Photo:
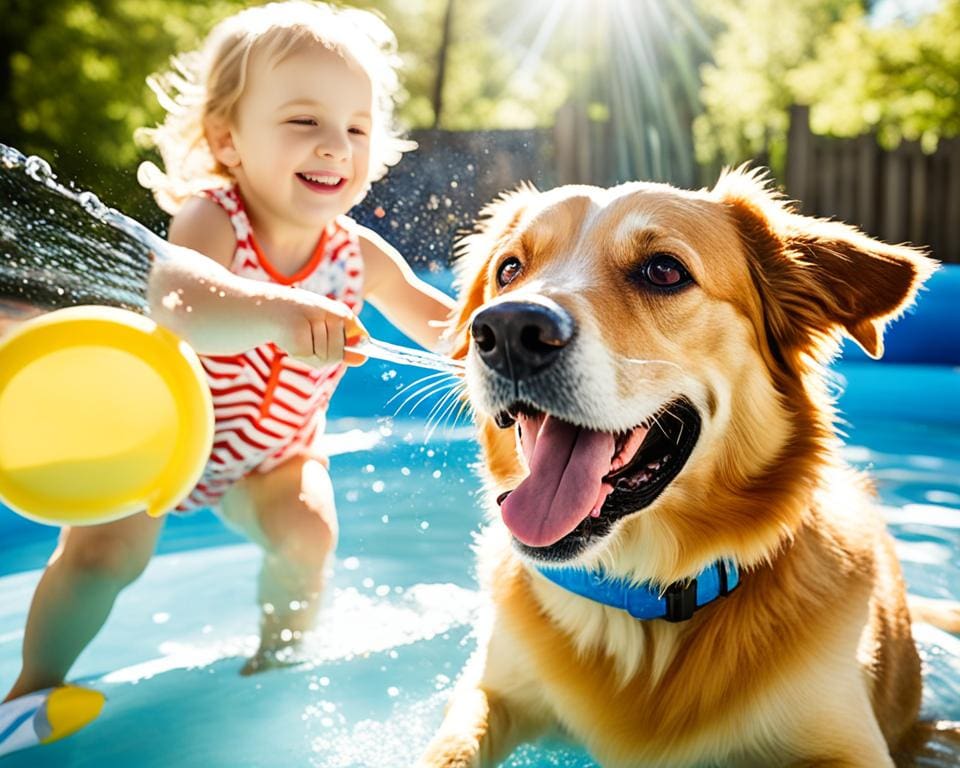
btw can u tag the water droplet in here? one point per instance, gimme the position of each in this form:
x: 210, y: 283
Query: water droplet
x: 38, y: 169
x: 92, y: 205
x: 9, y: 157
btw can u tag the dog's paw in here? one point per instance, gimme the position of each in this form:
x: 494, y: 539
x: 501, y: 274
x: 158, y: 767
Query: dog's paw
x: 450, y: 752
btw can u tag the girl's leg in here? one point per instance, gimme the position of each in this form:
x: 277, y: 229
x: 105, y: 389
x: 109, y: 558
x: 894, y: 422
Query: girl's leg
x: 76, y: 592
x: 290, y: 512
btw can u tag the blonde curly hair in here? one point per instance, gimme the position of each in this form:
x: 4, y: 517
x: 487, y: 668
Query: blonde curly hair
x: 205, y: 85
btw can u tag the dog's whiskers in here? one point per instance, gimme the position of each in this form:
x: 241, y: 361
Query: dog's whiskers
x: 425, y: 394
x: 656, y: 421
x: 429, y: 389
x: 438, y: 410
x: 670, y: 413
x: 639, y: 361
x: 440, y: 414
x: 416, y: 382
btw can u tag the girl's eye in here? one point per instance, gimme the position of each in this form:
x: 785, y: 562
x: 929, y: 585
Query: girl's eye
x: 358, y: 131
x: 509, y: 270
x: 303, y: 121
x: 664, y: 271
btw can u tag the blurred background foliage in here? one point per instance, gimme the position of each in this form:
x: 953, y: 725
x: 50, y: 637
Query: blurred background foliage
x: 884, y: 67
x: 680, y: 87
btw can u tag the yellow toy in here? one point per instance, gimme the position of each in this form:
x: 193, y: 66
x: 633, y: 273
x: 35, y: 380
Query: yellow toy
x: 46, y: 716
x: 102, y: 414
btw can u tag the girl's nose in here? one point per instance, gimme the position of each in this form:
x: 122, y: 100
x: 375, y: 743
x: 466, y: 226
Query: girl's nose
x: 333, y: 145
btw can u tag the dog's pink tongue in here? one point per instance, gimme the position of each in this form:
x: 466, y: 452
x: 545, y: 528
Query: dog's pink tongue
x: 566, y: 472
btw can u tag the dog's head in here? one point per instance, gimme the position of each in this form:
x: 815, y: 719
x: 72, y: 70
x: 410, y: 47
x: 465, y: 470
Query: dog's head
x: 644, y: 363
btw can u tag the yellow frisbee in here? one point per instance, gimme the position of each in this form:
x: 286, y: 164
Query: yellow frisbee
x: 103, y: 413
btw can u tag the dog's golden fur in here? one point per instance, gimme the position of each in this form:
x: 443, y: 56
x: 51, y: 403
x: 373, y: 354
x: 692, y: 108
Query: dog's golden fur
x: 811, y: 661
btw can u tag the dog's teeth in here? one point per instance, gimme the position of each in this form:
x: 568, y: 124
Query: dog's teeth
x: 634, y: 482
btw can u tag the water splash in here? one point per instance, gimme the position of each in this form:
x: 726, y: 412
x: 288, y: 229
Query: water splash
x: 60, y: 248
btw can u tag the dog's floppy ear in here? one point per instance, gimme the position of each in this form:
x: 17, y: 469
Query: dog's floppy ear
x: 497, y: 222
x: 817, y: 277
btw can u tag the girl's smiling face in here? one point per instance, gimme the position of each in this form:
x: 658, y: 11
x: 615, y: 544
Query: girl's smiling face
x: 299, y: 143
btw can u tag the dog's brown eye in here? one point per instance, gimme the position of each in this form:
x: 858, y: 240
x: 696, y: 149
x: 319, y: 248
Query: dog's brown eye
x: 509, y: 271
x: 663, y: 271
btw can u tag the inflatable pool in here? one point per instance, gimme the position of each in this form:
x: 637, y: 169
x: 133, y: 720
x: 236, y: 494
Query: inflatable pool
x: 371, y: 684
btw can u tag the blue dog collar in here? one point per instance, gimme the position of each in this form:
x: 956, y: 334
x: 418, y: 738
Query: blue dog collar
x: 678, y: 602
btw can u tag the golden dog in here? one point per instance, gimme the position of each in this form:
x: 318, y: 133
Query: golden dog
x: 644, y: 364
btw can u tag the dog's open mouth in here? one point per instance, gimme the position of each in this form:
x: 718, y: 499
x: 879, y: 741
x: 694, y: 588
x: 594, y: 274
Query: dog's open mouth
x: 581, y: 481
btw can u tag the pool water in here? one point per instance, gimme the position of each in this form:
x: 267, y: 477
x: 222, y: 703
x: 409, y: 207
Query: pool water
x: 396, y: 628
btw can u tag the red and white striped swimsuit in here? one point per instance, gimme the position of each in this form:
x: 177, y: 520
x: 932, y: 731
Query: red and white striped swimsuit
x: 267, y: 405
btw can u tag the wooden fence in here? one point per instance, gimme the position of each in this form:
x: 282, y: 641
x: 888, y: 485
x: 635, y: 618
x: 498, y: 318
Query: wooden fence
x: 900, y: 196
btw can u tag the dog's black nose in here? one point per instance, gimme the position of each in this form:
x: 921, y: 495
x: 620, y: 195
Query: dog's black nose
x: 520, y: 338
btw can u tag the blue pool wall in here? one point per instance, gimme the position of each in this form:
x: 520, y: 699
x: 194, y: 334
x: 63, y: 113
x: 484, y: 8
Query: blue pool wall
x: 918, y: 377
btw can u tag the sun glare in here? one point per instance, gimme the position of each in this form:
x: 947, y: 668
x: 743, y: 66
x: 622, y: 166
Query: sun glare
x: 637, y: 59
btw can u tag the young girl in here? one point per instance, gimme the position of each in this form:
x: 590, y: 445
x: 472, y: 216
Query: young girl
x: 276, y: 128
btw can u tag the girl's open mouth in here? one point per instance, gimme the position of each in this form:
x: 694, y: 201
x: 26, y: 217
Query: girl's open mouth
x: 322, y: 182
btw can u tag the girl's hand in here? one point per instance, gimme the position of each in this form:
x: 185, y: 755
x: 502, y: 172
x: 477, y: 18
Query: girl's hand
x: 333, y: 329
x: 219, y: 313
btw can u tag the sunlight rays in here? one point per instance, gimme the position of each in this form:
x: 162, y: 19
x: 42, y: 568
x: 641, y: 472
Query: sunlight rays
x: 633, y: 66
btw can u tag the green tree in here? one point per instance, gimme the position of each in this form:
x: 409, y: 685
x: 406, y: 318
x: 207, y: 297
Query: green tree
x: 485, y: 87
x: 73, y: 79
x: 901, y: 81
x: 746, y: 90
x: 78, y: 87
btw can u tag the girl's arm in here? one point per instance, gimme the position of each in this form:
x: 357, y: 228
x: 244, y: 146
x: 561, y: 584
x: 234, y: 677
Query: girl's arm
x: 414, y: 306
x: 219, y: 313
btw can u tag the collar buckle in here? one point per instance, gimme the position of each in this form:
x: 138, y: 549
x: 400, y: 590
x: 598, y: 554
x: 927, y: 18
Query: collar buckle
x: 681, y: 599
